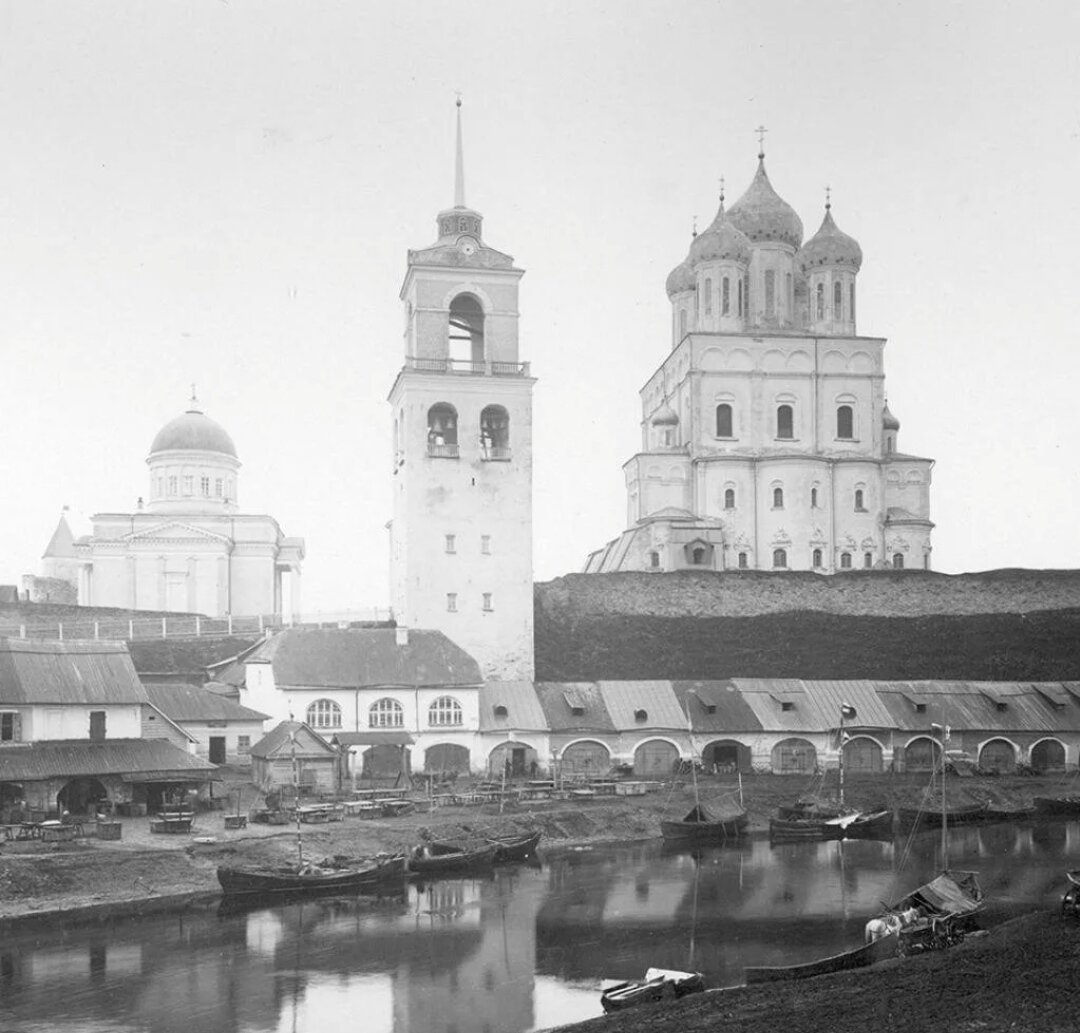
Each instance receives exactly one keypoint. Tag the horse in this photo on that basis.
(891, 923)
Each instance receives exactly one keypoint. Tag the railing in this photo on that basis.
(496, 453)
(467, 367)
(183, 625)
(442, 451)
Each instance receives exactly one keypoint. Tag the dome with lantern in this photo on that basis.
(763, 215)
(830, 246)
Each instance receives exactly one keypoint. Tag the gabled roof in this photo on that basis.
(182, 702)
(624, 699)
(523, 710)
(73, 672)
(279, 740)
(134, 759)
(348, 658)
(716, 706)
(554, 698)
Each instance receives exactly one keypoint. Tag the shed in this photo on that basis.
(293, 754)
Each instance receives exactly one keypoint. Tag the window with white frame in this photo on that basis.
(445, 712)
(386, 713)
(451, 543)
(243, 744)
(10, 726)
(485, 544)
(451, 602)
(324, 713)
(487, 604)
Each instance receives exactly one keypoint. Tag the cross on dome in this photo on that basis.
(761, 131)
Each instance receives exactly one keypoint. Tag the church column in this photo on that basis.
(294, 594)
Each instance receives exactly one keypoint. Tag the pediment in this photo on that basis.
(176, 531)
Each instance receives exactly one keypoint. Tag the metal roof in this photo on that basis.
(71, 759)
(35, 671)
(280, 739)
(182, 702)
(560, 718)
(349, 658)
(829, 696)
(523, 709)
(624, 699)
(716, 706)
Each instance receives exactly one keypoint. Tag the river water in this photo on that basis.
(520, 950)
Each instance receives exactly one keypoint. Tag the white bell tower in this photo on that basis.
(461, 534)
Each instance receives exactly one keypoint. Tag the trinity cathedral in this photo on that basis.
(767, 443)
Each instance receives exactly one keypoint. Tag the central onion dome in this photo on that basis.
(193, 431)
(830, 246)
(722, 240)
(763, 215)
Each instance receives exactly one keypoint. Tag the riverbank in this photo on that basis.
(1020, 977)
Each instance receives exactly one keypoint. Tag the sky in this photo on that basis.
(222, 192)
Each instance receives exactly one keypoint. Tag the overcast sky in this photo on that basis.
(224, 192)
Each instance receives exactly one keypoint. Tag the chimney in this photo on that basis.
(401, 635)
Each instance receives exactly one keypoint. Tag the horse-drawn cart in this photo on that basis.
(1070, 903)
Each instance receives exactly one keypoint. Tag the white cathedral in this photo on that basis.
(767, 443)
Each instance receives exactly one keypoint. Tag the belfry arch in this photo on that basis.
(466, 329)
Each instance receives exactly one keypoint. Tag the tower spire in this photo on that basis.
(459, 164)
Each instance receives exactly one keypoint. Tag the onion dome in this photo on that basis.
(193, 431)
(830, 246)
(763, 215)
(680, 279)
(723, 239)
(665, 416)
(888, 421)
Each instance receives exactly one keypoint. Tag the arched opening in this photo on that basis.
(813, 498)
(778, 498)
(466, 341)
(708, 296)
(859, 507)
(726, 756)
(1048, 756)
(323, 713)
(838, 300)
(794, 757)
(585, 758)
(699, 553)
(82, 796)
(770, 293)
(863, 755)
(820, 293)
(445, 712)
(446, 758)
(817, 558)
(384, 761)
(998, 756)
(845, 561)
(725, 296)
(779, 558)
(744, 561)
(386, 713)
(867, 560)
(494, 432)
(723, 420)
(655, 759)
(513, 759)
(729, 498)
(922, 754)
(442, 436)
(654, 559)
(845, 422)
(898, 561)
(785, 421)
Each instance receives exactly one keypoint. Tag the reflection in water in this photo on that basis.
(521, 950)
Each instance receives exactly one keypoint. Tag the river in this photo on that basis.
(520, 950)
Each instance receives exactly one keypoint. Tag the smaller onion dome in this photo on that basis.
(830, 246)
(763, 215)
(680, 279)
(193, 431)
(722, 240)
(888, 421)
(665, 416)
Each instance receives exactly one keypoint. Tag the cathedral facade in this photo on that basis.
(188, 548)
(767, 443)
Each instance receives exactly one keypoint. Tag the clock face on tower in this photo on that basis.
(467, 246)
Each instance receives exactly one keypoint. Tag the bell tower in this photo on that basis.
(461, 534)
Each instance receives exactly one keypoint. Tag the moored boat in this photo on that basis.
(515, 848)
(871, 825)
(947, 907)
(702, 826)
(265, 879)
(435, 858)
(934, 818)
(658, 984)
(867, 954)
(1057, 806)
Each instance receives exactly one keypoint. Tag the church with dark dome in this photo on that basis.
(766, 439)
(188, 547)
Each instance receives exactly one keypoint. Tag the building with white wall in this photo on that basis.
(461, 532)
(188, 547)
(767, 443)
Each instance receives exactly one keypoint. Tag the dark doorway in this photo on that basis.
(82, 796)
(217, 749)
(97, 725)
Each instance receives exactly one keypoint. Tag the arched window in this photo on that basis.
(779, 558)
(845, 561)
(778, 498)
(723, 420)
(729, 498)
(386, 713)
(442, 430)
(851, 303)
(466, 339)
(868, 560)
(444, 711)
(813, 498)
(890, 444)
(898, 560)
(845, 422)
(859, 508)
(820, 300)
(838, 300)
(697, 557)
(725, 296)
(324, 713)
(494, 433)
(770, 293)
(708, 296)
(742, 294)
(785, 422)
(744, 561)
(682, 322)
(817, 558)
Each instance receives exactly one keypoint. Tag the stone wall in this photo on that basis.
(49, 590)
